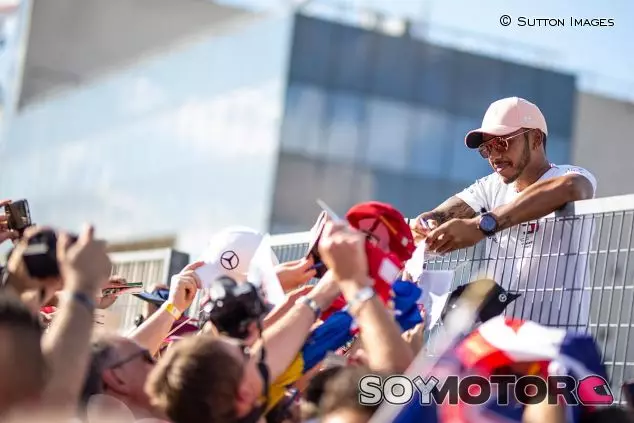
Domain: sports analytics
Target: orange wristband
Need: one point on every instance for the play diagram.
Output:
(171, 309)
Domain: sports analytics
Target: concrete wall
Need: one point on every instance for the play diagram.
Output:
(603, 142)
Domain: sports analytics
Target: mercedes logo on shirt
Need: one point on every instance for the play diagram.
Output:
(229, 260)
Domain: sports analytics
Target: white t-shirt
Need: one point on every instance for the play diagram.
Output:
(541, 259)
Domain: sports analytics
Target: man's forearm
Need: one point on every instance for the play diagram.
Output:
(66, 347)
(381, 337)
(151, 333)
(452, 208)
(543, 198)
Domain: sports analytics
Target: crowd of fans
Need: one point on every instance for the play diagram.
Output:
(290, 342)
(245, 360)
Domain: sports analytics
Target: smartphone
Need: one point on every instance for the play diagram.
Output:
(128, 288)
(18, 215)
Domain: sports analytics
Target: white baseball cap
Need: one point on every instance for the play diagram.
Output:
(506, 116)
(229, 253)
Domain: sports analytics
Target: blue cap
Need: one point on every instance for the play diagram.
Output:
(156, 297)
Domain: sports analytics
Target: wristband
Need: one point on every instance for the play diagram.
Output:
(171, 309)
(360, 298)
(312, 304)
(84, 300)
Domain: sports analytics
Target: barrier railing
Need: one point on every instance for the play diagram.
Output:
(573, 270)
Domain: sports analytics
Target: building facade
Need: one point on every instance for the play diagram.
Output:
(371, 116)
(251, 124)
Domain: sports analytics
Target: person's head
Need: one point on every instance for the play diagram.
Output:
(22, 364)
(512, 137)
(340, 401)
(207, 379)
(119, 367)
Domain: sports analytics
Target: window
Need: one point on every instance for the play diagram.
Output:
(466, 164)
(387, 132)
(436, 67)
(394, 67)
(478, 84)
(344, 123)
(296, 187)
(428, 149)
(301, 130)
(518, 81)
(351, 70)
(555, 99)
(558, 149)
(311, 52)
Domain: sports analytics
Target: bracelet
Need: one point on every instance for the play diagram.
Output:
(84, 300)
(171, 309)
(360, 298)
(312, 304)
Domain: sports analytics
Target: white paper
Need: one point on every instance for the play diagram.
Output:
(415, 265)
(436, 286)
(262, 269)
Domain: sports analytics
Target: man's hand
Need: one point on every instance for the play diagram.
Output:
(342, 249)
(108, 300)
(184, 286)
(422, 225)
(5, 233)
(84, 265)
(295, 273)
(453, 235)
(33, 292)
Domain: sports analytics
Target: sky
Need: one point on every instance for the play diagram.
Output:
(602, 57)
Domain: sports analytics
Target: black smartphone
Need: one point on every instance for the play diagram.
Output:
(18, 215)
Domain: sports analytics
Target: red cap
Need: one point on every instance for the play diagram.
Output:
(383, 220)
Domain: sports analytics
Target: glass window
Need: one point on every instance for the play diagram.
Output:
(387, 132)
(351, 71)
(311, 50)
(336, 187)
(297, 184)
(478, 84)
(466, 164)
(394, 68)
(436, 69)
(519, 81)
(301, 130)
(390, 188)
(555, 99)
(558, 149)
(428, 150)
(344, 123)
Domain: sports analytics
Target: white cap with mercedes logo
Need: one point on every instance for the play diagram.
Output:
(232, 252)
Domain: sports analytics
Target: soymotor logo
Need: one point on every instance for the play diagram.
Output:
(478, 390)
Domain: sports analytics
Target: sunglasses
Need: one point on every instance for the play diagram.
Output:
(143, 353)
(497, 144)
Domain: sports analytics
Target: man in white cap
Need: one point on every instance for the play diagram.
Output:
(238, 251)
(524, 187)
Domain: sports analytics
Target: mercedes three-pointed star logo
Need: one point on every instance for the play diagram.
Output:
(229, 260)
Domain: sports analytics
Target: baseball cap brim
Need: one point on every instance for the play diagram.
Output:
(151, 297)
(474, 138)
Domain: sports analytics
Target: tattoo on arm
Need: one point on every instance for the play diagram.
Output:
(453, 208)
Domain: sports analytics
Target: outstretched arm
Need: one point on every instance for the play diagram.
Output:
(543, 198)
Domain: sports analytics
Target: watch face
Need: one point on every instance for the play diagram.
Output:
(488, 223)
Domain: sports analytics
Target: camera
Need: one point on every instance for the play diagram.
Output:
(18, 216)
(40, 255)
(233, 307)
